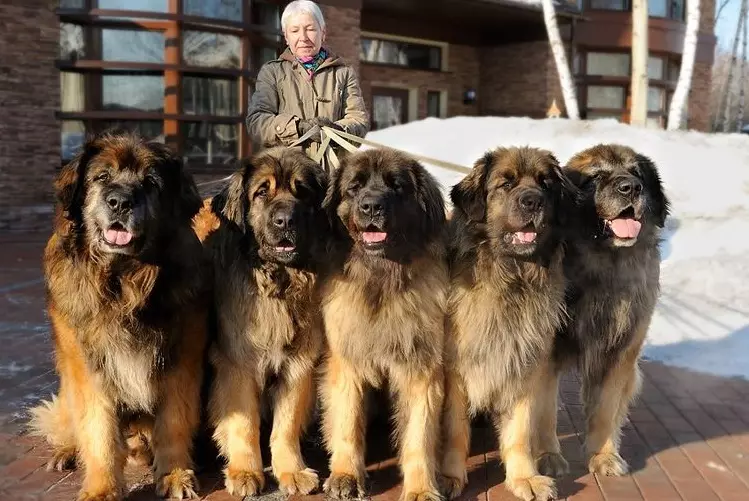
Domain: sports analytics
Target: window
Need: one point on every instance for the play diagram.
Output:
(261, 55)
(72, 135)
(72, 91)
(211, 49)
(658, 8)
(600, 96)
(133, 46)
(411, 55)
(600, 115)
(72, 44)
(133, 79)
(656, 99)
(143, 5)
(656, 67)
(434, 103)
(133, 92)
(608, 64)
(72, 4)
(209, 143)
(266, 14)
(609, 4)
(210, 96)
(230, 10)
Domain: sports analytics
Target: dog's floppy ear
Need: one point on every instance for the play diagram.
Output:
(658, 204)
(69, 185)
(187, 201)
(231, 203)
(469, 195)
(430, 199)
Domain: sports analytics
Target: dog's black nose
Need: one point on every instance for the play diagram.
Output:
(120, 201)
(629, 186)
(283, 218)
(371, 206)
(531, 200)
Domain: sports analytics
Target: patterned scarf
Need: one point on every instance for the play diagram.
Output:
(311, 63)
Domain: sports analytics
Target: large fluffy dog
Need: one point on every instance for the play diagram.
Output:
(383, 307)
(613, 265)
(125, 289)
(267, 248)
(506, 303)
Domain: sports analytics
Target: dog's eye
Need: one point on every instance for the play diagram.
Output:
(353, 189)
(262, 192)
(506, 185)
(102, 177)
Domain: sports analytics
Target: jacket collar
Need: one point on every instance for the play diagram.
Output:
(331, 60)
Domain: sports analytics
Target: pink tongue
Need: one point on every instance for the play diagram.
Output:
(371, 237)
(118, 237)
(525, 237)
(625, 228)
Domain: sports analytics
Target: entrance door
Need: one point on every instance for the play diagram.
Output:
(389, 107)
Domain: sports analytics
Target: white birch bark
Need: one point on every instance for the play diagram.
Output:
(742, 86)
(560, 59)
(681, 94)
(639, 96)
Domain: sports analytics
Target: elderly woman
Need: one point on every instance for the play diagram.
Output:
(306, 86)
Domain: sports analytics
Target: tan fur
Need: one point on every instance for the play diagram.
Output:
(128, 336)
(503, 313)
(270, 334)
(384, 321)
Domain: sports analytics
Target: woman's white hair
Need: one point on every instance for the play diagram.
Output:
(302, 7)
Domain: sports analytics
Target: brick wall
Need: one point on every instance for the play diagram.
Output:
(518, 79)
(344, 32)
(29, 97)
(462, 73)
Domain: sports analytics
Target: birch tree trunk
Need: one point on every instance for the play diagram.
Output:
(560, 59)
(639, 100)
(681, 94)
(742, 86)
(725, 102)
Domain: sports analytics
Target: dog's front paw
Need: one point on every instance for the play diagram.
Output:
(536, 488)
(344, 486)
(104, 495)
(609, 464)
(178, 484)
(553, 464)
(452, 487)
(298, 482)
(62, 459)
(429, 495)
(244, 483)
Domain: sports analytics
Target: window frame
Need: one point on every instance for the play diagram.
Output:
(670, 9)
(384, 37)
(584, 80)
(173, 68)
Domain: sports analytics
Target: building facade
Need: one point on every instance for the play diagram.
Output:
(183, 70)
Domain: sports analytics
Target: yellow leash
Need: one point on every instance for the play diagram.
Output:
(341, 137)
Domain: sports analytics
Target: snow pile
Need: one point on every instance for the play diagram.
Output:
(702, 318)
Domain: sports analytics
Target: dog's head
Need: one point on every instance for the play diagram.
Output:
(517, 196)
(387, 203)
(276, 199)
(622, 196)
(125, 196)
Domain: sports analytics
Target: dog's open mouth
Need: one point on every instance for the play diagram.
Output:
(525, 236)
(285, 245)
(117, 236)
(373, 236)
(625, 226)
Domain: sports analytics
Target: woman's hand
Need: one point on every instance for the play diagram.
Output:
(305, 125)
